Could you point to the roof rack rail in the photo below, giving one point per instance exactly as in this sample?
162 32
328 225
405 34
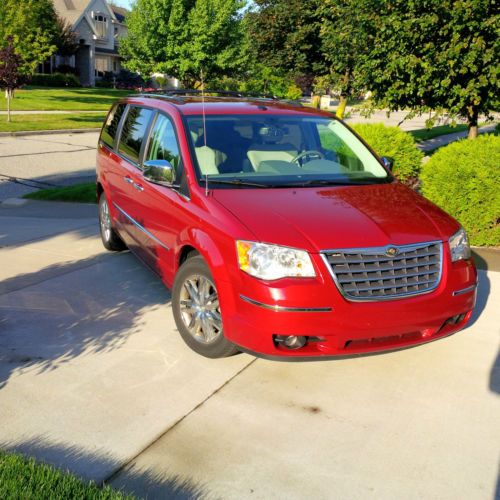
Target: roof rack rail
229 93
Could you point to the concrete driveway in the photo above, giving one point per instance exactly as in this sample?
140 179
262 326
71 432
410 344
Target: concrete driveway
94 378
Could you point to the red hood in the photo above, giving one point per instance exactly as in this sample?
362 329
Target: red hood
338 217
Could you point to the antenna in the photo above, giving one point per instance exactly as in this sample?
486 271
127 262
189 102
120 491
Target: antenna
204 123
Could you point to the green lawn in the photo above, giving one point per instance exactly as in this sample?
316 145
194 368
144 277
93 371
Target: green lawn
78 193
51 99
51 121
22 478
425 134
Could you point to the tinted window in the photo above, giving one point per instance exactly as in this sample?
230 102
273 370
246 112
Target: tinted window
133 132
163 143
109 130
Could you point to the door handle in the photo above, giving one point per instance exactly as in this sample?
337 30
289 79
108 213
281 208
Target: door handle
128 180
138 186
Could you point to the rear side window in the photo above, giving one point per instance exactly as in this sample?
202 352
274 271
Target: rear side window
133 132
109 130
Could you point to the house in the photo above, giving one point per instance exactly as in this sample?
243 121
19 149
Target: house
98 26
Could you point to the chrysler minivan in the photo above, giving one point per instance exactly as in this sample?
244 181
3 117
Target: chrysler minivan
278 230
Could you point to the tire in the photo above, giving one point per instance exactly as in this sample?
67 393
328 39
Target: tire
195 304
109 236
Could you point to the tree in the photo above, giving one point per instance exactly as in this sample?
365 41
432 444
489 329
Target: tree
10 76
284 34
436 56
184 38
65 38
33 28
346 29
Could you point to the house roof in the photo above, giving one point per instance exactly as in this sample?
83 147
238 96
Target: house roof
70 10
119 12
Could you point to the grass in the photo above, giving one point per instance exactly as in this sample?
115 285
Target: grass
24 123
24 478
78 193
424 134
57 99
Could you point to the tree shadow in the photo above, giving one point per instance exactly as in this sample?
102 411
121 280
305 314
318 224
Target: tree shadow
94 305
90 465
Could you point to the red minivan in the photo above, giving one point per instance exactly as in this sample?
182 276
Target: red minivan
278 230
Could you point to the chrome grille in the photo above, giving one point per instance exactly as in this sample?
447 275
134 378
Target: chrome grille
375 274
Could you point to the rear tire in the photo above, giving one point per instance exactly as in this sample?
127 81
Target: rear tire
195 304
109 236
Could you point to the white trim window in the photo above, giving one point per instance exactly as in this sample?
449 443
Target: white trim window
101 25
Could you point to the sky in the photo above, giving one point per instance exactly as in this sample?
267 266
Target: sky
123 3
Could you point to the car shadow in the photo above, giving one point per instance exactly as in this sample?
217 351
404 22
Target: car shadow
483 293
90 465
483 289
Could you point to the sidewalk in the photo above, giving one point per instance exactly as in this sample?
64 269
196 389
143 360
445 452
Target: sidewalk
443 140
49 112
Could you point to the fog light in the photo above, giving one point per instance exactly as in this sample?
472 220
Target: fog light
291 341
455 320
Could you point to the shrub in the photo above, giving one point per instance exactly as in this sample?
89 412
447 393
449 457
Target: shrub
462 178
161 81
66 69
393 143
55 80
293 92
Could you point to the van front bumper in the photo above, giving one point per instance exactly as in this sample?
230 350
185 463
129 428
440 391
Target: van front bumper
255 313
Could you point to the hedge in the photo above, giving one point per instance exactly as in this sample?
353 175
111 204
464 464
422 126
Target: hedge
55 80
463 179
395 144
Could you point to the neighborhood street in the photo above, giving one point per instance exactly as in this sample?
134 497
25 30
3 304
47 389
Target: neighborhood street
28 162
95 378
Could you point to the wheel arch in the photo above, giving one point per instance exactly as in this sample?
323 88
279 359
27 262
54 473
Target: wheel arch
201 243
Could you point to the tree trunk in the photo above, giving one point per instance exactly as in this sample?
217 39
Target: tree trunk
472 113
9 94
341 107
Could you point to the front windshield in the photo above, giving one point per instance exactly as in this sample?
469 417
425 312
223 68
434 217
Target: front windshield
279 151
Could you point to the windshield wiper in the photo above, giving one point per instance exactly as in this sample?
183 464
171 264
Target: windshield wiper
320 182
240 182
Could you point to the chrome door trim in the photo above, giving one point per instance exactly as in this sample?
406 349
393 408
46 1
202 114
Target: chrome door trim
277 308
142 228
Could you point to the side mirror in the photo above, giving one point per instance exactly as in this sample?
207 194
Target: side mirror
160 172
387 162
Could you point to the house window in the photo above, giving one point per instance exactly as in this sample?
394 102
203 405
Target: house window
101 25
101 66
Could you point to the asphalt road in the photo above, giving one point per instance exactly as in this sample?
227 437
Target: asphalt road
95 378
31 162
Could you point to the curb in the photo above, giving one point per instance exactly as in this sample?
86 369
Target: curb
51 132
486 258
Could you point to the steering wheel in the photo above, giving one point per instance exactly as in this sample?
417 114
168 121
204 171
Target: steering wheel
308 154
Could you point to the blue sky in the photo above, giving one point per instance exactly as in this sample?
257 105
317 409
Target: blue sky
123 3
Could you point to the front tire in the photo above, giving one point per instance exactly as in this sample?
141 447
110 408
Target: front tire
196 308
109 236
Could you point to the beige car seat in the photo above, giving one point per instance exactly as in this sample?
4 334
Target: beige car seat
208 159
270 147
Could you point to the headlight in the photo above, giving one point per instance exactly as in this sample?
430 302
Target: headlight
271 262
459 246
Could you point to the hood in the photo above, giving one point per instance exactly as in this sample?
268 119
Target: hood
338 217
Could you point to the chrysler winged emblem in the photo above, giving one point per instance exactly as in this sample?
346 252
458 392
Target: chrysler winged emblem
391 252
